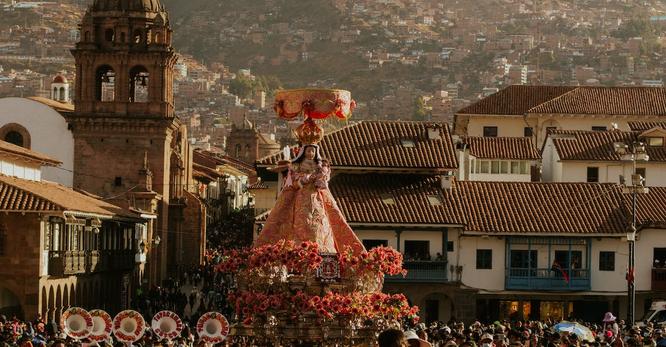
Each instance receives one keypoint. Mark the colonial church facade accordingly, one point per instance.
(128, 144)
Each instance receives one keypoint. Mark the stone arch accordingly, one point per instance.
(58, 304)
(16, 134)
(43, 304)
(51, 304)
(86, 36)
(157, 38)
(139, 80)
(62, 96)
(72, 295)
(105, 83)
(54, 96)
(65, 297)
(10, 304)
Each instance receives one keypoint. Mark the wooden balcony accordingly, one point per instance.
(659, 279)
(65, 263)
(422, 272)
(547, 279)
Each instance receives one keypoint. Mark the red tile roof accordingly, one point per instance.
(635, 101)
(9, 148)
(521, 100)
(642, 126)
(515, 100)
(519, 148)
(360, 197)
(258, 185)
(521, 207)
(23, 195)
(386, 144)
(651, 209)
(598, 145)
(212, 160)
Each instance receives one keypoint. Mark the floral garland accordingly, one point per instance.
(286, 261)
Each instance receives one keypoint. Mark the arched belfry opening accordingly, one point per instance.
(139, 82)
(105, 88)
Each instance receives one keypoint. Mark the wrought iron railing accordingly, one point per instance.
(422, 271)
(548, 279)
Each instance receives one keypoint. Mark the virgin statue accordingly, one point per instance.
(305, 209)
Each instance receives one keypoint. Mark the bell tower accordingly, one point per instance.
(124, 123)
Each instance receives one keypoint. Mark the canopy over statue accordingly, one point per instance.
(305, 209)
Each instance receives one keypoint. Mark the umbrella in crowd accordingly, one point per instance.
(583, 332)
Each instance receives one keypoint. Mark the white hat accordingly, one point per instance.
(486, 336)
(608, 317)
(411, 335)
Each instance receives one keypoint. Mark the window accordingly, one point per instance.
(109, 35)
(655, 141)
(139, 83)
(105, 84)
(606, 261)
(599, 128)
(494, 167)
(485, 166)
(370, 244)
(659, 257)
(118, 181)
(562, 258)
(449, 246)
(489, 131)
(14, 137)
(387, 199)
(522, 259)
(408, 143)
(417, 250)
(641, 171)
(434, 200)
(504, 167)
(528, 131)
(484, 258)
(515, 167)
(592, 174)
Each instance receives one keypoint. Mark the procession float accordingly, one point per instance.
(308, 280)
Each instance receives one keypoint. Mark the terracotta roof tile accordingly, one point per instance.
(23, 195)
(642, 126)
(515, 100)
(360, 197)
(386, 144)
(30, 155)
(636, 101)
(529, 207)
(520, 148)
(598, 145)
(651, 209)
(61, 107)
(258, 185)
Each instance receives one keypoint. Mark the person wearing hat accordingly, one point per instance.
(413, 340)
(611, 324)
(486, 340)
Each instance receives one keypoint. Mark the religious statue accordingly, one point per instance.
(305, 209)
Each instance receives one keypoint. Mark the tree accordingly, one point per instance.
(241, 86)
(420, 109)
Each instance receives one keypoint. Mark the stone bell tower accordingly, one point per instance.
(124, 123)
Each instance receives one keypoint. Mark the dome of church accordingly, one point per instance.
(60, 79)
(127, 5)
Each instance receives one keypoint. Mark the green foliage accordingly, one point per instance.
(637, 27)
(420, 110)
(245, 87)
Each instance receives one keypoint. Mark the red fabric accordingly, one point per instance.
(559, 268)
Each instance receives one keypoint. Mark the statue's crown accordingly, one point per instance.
(309, 133)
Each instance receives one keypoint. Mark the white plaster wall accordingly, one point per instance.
(609, 172)
(648, 240)
(465, 256)
(48, 134)
(507, 126)
(609, 281)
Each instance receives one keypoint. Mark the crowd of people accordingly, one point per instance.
(610, 332)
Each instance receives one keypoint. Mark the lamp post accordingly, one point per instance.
(634, 152)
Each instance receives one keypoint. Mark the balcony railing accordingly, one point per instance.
(547, 279)
(659, 279)
(422, 271)
(63, 263)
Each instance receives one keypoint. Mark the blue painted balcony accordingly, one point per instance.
(548, 279)
(422, 271)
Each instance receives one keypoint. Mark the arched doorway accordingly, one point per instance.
(437, 307)
(10, 305)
